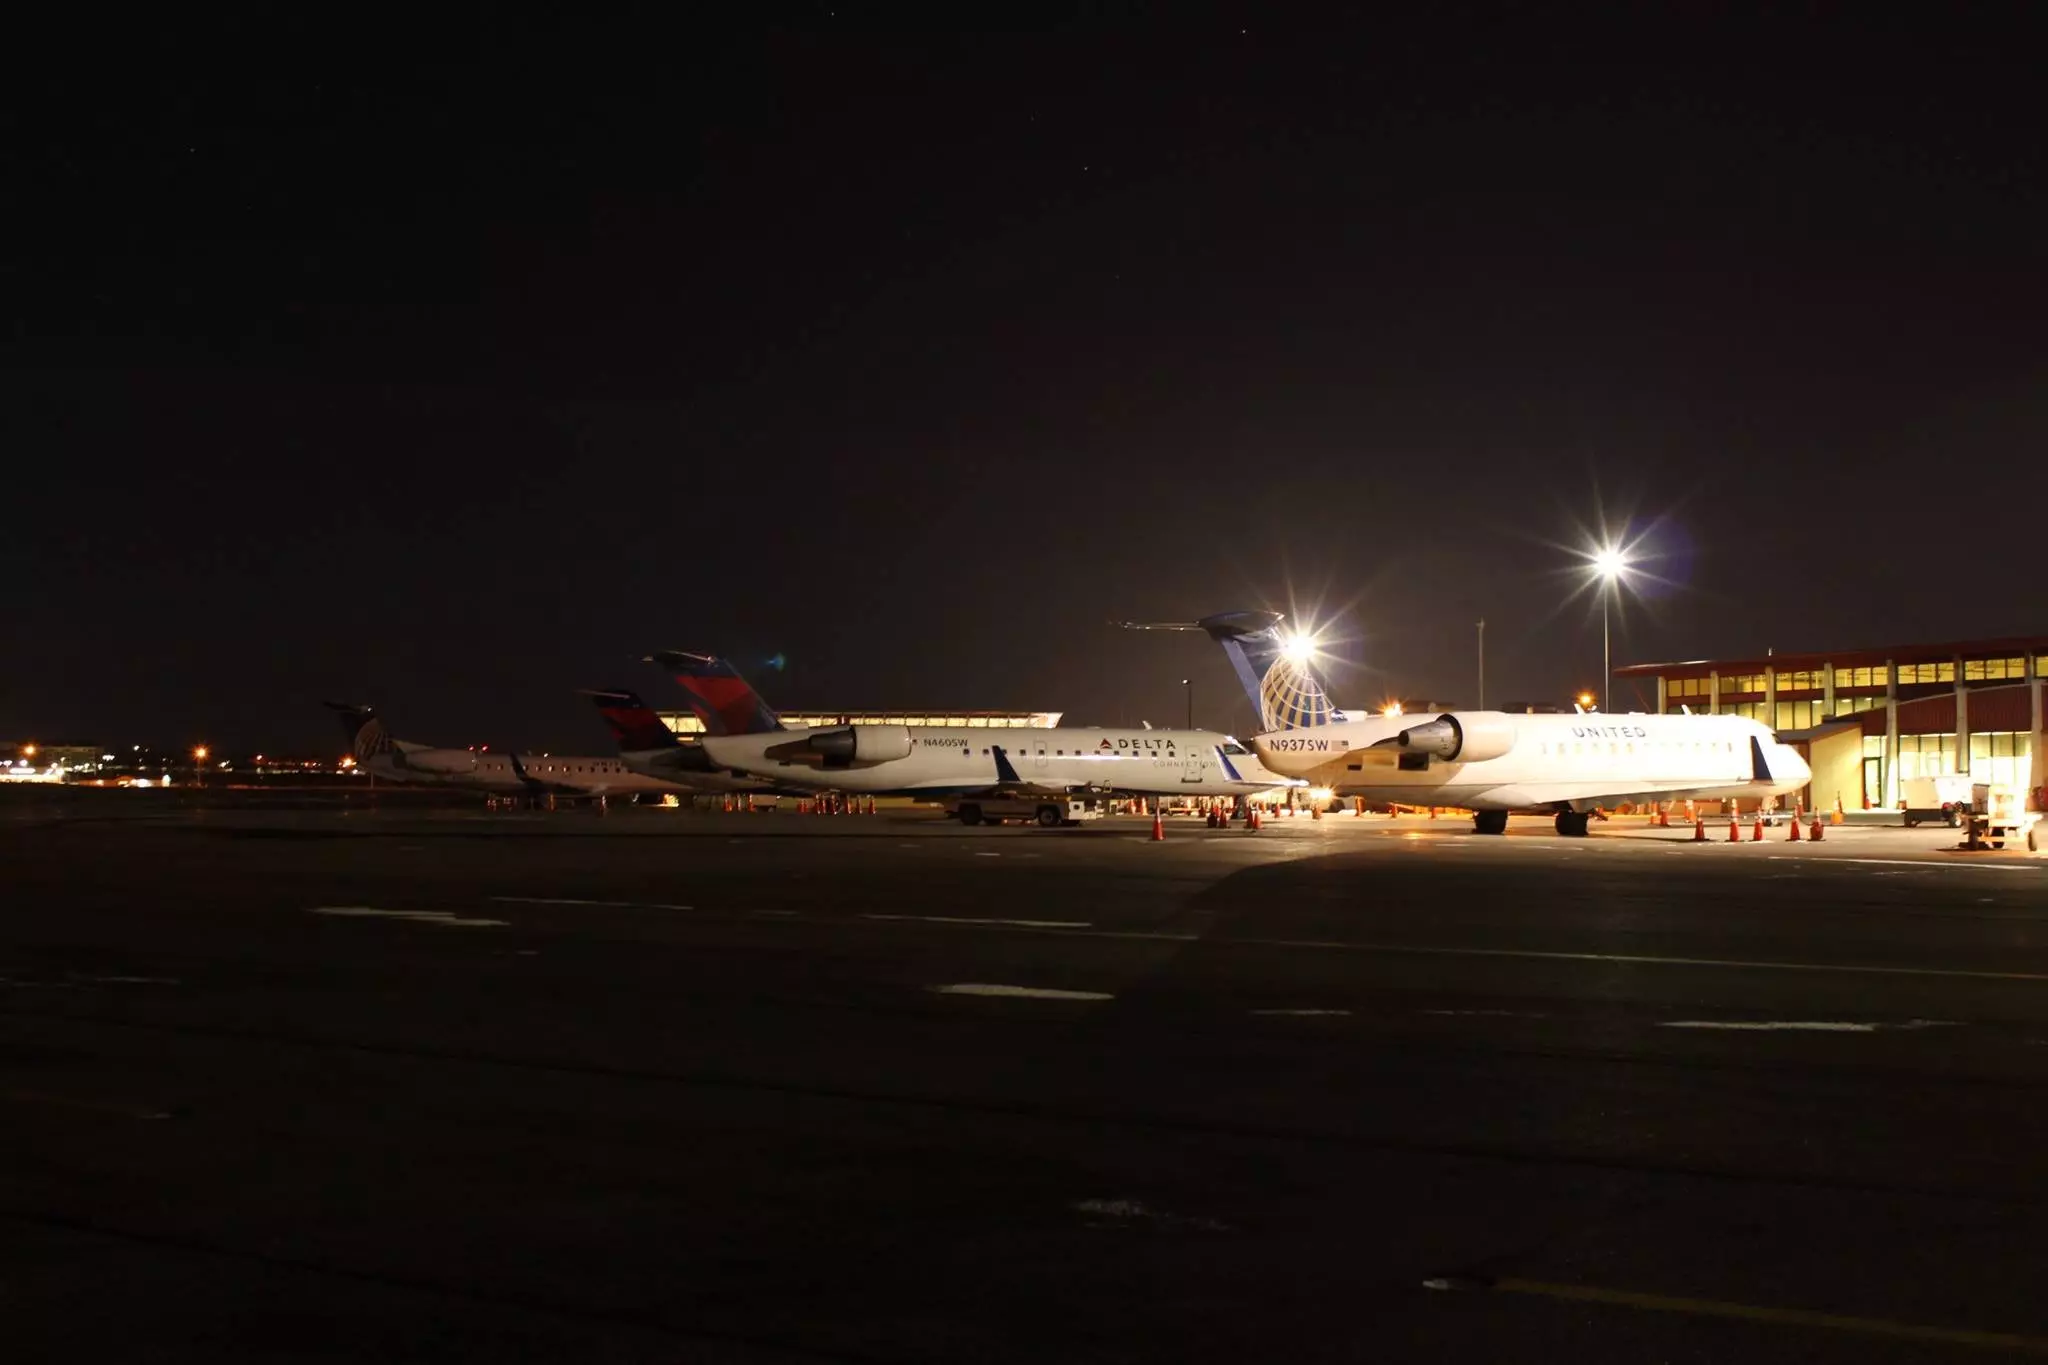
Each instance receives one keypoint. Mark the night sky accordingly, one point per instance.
(455, 366)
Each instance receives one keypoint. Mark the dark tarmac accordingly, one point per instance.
(423, 1084)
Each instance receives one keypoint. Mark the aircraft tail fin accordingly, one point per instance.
(718, 694)
(635, 725)
(364, 730)
(1277, 671)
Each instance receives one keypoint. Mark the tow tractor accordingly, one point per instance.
(1049, 811)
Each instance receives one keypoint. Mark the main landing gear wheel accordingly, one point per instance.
(1572, 824)
(1490, 822)
(1049, 817)
(970, 814)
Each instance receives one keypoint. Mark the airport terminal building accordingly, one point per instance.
(1867, 720)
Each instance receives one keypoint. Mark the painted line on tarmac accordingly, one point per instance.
(1524, 954)
(1016, 992)
(570, 900)
(109, 1108)
(1307, 1014)
(968, 919)
(440, 917)
(1930, 864)
(1804, 1025)
(2012, 1342)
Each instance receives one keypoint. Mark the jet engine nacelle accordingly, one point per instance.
(1471, 738)
(441, 762)
(859, 746)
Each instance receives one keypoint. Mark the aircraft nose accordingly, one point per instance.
(1796, 767)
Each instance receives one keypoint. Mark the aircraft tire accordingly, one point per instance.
(1489, 822)
(1049, 817)
(1571, 824)
(970, 814)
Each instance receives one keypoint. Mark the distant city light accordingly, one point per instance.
(1392, 708)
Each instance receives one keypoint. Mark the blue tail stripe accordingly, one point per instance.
(1006, 772)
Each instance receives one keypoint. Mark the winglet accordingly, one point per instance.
(1006, 771)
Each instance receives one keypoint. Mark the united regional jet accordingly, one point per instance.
(960, 764)
(500, 774)
(1494, 762)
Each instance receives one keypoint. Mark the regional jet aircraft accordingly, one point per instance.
(1494, 762)
(501, 774)
(960, 764)
(647, 746)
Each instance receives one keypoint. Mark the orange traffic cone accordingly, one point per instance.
(1699, 829)
(871, 805)
(1315, 812)
(1251, 819)
(1734, 830)
(1158, 827)
(1756, 831)
(1794, 836)
(1836, 818)
(1817, 828)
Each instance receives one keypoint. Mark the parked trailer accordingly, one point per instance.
(1947, 797)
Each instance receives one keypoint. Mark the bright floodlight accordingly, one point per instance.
(1299, 647)
(1609, 563)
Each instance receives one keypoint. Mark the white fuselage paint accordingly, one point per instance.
(482, 770)
(944, 759)
(1579, 761)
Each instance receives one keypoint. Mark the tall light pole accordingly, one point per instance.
(1608, 564)
(1189, 684)
(1482, 665)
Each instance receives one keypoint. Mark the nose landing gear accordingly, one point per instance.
(1571, 824)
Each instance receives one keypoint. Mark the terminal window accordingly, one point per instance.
(1944, 672)
(1990, 670)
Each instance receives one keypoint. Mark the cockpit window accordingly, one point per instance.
(1231, 746)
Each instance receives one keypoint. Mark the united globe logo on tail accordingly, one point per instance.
(1277, 670)
(1292, 698)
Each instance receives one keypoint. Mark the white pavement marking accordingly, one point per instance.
(440, 917)
(1306, 1014)
(1803, 1025)
(1530, 954)
(1124, 1211)
(1490, 1014)
(988, 855)
(1016, 992)
(131, 980)
(1928, 864)
(570, 900)
(966, 919)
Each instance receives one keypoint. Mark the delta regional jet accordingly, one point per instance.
(1493, 763)
(957, 763)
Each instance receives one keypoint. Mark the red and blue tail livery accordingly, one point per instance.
(635, 725)
(718, 694)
